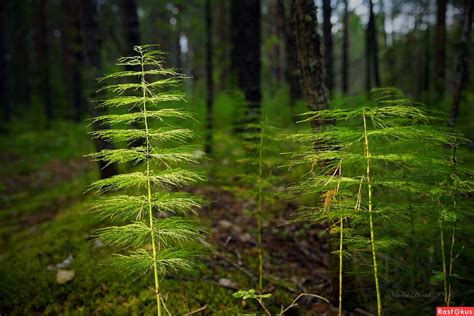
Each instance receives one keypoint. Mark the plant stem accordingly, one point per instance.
(341, 240)
(148, 151)
(260, 213)
(260, 301)
(443, 256)
(451, 262)
(371, 223)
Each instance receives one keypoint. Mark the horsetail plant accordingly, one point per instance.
(259, 180)
(454, 186)
(257, 183)
(154, 237)
(365, 141)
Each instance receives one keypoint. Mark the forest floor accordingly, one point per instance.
(46, 239)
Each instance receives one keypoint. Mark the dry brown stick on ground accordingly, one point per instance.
(310, 63)
(200, 309)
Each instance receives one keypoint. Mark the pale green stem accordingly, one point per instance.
(443, 256)
(451, 262)
(341, 240)
(371, 222)
(260, 214)
(148, 152)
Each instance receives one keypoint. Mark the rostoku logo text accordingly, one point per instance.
(461, 310)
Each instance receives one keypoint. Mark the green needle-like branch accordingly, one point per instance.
(153, 237)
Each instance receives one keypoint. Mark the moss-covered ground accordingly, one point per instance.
(43, 222)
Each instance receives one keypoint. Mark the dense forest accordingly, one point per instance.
(236, 157)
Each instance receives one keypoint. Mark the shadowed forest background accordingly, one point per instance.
(250, 67)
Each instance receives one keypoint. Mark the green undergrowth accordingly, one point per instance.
(42, 225)
(28, 286)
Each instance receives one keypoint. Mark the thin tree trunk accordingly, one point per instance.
(131, 35)
(440, 48)
(292, 71)
(462, 71)
(235, 34)
(368, 60)
(131, 27)
(275, 28)
(21, 60)
(308, 44)
(281, 34)
(209, 79)
(78, 61)
(92, 45)
(383, 18)
(43, 59)
(374, 43)
(4, 91)
(245, 55)
(345, 50)
(427, 70)
(177, 34)
(223, 47)
(328, 51)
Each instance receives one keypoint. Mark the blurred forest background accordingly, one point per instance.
(241, 56)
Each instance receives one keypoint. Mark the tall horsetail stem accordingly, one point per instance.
(148, 152)
(371, 222)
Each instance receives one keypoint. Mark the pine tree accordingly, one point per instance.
(150, 239)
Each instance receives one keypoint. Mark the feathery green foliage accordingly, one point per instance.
(257, 182)
(153, 237)
(358, 164)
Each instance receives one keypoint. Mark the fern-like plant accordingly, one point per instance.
(153, 237)
(256, 182)
(454, 187)
(359, 169)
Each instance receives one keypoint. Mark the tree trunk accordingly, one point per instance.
(177, 34)
(368, 61)
(308, 45)
(4, 91)
(383, 19)
(440, 48)
(275, 28)
(21, 60)
(223, 47)
(131, 27)
(43, 59)
(374, 44)
(292, 70)
(131, 35)
(462, 69)
(427, 70)
(92, 45)
(77, 63)
(372, 51)
(281, 35)
(327, 37)
(345, 50)
(73, 55)
(246, 63)
(209, 79)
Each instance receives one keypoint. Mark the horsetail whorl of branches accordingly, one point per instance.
(368, 155)
(153, 237)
